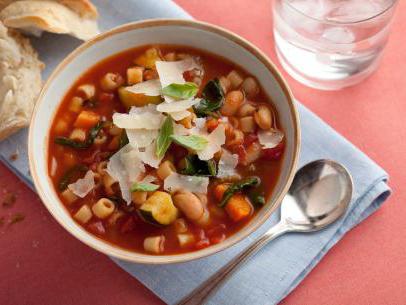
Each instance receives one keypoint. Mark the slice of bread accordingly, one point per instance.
(76, 18)
(20, 81)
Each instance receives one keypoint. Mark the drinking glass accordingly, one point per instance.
(331, 44)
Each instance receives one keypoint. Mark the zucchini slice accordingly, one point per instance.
(159, 209)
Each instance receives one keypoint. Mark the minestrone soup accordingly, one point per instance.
(165, 149)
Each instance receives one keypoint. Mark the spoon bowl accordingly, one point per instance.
(320, 193)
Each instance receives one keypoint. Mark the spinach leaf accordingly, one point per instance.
(238, 186)
(194, 142)
(196, 167)
(143, 187)
(93, 132)
(181, 91)
(164, 137)
(69, 175)
(213, 97)
(257, 198)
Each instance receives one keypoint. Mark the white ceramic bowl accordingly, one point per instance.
(189, 33)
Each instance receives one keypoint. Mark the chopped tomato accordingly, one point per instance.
(204, 243)
(97, 228)
(217, 238)
(250, 138)
(273, 153)
(212, 124)
(114, 143)
(241, 152)
(106, 97)
(217, 230)
(128, 225)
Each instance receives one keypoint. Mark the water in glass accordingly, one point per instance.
(331, 44)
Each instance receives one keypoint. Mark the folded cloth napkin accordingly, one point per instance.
(281, 265)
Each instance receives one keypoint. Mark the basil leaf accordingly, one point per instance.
(238, 186)
(194, 142)
(93, 132)
(213, 97)
(181, 91)
(143, 187)
(196, 167)
(164, 137)
(69, 175)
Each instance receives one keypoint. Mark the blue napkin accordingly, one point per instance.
(281, 265)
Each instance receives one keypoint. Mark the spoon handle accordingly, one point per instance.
(201, 294)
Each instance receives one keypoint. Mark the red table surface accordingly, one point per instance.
(42, 264)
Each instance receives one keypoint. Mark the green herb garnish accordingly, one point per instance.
(93, 132)
(213, 97)
(181, 91)
(143, 187)
(238, 186)
(69, 175)
(196, 167)
(194, 142)
(164, 137)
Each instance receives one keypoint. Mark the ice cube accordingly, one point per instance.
(340, 35)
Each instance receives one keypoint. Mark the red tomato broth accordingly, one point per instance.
(136, 229)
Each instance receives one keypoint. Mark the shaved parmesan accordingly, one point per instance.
(200, 125)
(180, 115)
(177, 106)
(171, 72)
(151, 108)
(149, 87)
(148, 179)
(180, 130)
(270, 138)
(194, 184)
(139, 138)
(132, 164)
(216, 139)
(148, 156)
(144, 120)
(227, 164)
(116, 168)
(83, 186)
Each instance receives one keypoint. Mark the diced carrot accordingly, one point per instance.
(219, 190)
(86, 119)
(238, 207)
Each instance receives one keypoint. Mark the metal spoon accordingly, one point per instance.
(319, 195)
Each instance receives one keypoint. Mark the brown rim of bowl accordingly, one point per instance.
(176, 258)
